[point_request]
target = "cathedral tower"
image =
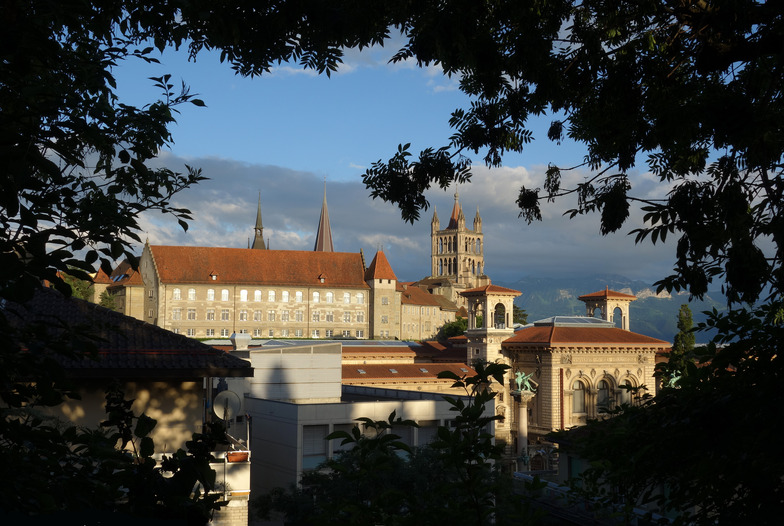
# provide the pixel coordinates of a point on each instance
(457, 252)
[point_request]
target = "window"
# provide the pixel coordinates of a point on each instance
(578, 397)
(191, 294)
(176, 314)
(360, 317)
(191, 332)
(346, 317)
(299, 315)
(298, 296)
(384, 300)
(257, 332)
(225, 333)
(225, 295)
(328, 333)
(346, 333)
(624, 395)
(243, 331)
(316, 316)
(210, 294)
(256, 295)
(243, 315)
(346, 297)
(224, 314)
(360, 298)
(271, 295)
(176, 294)
(176, 331)
(603, 396)
(149, 293)
(243, 295)
(191, 315)
(271, 333)
(284, 333)
(284, 316)
(330, 317)
(360, 334)
(330, 297)
(298, 333)
(270, 315)
(210, 332)
(314, 446)
(256, 315)
(316, 297)
(151, 313)
(384, 319)
(284, 296)
(314, 333)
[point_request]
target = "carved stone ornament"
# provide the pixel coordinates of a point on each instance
(593, 373)
(639, 373)
(641, 358)
(568, 373)
(566, 358)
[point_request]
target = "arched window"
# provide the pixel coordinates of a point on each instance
(618, 317)
(256, 295)
(499, 317)
(360, 298)
(298, 296)
(176, 294)
(578, 397)
(330, 297)
(225, 295)
(603, 396)
(597, 313)
(243, 295)
(210, 294)
(271, 295)
(316, 297)
(346, 298)
(284, 296)
(624, 395)
(192, 294)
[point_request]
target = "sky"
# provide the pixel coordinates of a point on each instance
(282, 135)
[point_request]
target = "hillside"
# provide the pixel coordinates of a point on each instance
(652, 315)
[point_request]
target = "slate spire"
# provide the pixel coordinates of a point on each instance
(324, 232)
(258, 240)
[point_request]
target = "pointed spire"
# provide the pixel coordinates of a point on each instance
(477, 222)
(324, 232)
(258, 240)
(456, 212)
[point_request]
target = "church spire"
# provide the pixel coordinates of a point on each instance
(324, 232)
(258, 240)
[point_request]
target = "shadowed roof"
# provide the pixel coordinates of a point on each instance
(246, 266)
(123, 274)
(607, 294)
(413, 295)
(380, 268)
(572, 335)
(490, 289)
(404, 372)
(126, 347)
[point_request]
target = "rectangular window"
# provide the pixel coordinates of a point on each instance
(191, 294)
(314, 446)
(176, 294)
(256, 295)
(210, 294)
(360, 298)
(360, 317)
(346, 317)
(298, 333)
(299, 315)
(284, 316)
(191, 315)
(225, 333)
(210, 314)
(298, 296)
(346, 333)
(256, 315)
(224, 314)
(225, 295)
(149, 293)
(243, 331)
(210, 332)
(284, 296)
(384, 319)
(191, 332)
(243, 315)
(271, 295)
(176, 314)
(270, 315)
(271, 333)
(384, 300)
(316, 316)
(328, 333)
(346, 297)
(360, 334)
(330, 297)
(315, 333)
(257, 332)
(151, 313)
(330, 317)
(243, 295)
(284, 333)
(176, 331)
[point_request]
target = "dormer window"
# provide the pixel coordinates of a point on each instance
(361, 371)
(213, 276)
(393, 371)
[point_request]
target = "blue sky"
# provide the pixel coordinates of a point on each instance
(283, 133)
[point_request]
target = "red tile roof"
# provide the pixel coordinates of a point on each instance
(453, 219)
(490, 289)
(101, 277)
(127, 347)
(404, 372)
(269, 267)
(416, 296)
(380, 268)
(582, 336)
(124, 274)
(607, 294)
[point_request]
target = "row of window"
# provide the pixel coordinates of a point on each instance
(271, 333)
(285, 297)
(272, 315)
(603, 395)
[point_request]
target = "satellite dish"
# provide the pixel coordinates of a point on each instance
(226, 405)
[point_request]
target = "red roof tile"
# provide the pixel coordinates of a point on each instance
(124, 274)
(417, 296)
(380, 268)
(607, 294)
(490, 289)
(270, 267)
(404, 372)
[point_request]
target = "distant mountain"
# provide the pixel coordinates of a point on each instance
(651, 314)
